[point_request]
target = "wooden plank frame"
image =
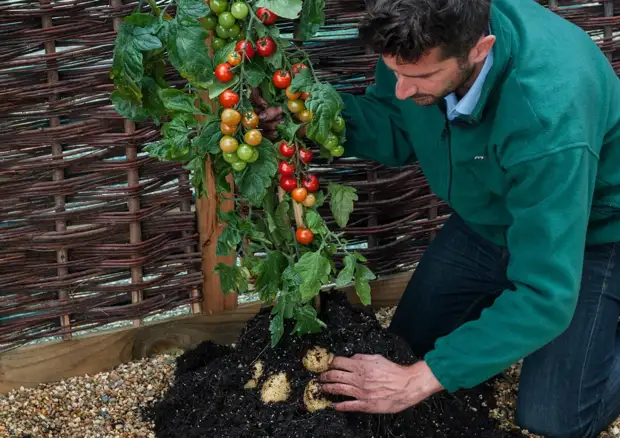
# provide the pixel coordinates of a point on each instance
(46, 363)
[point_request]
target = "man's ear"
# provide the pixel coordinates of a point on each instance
(481, 49)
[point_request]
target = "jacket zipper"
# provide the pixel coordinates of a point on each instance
(449, 134)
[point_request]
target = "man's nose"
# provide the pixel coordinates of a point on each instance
(405, 89)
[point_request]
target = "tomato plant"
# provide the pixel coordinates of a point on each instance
(285, 247)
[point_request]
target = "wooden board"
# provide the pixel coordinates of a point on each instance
(45, 363)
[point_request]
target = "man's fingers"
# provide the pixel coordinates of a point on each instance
(353, 406)
(344, 363)
(367, 357)
(271, 135)
(342, 389)
(258, 100)
(270, 113)
(272, 125)
(335, 376)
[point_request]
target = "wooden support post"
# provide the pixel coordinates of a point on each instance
(62, 256)
(133, 203)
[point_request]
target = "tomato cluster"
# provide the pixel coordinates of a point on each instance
(223, 21)
(238, 155)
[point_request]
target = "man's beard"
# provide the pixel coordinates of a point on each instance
(465, 73)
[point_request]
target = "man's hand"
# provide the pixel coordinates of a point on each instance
(269, 117)
(379, 385)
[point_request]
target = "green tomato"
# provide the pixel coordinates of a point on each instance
(226, 20)
(218, 43)
(234, 31)
(209, 22)
(254, 156)
(221, 31)
(231, 157)
(239, 10)
(338, 151)
(337, 124)
(218, 6)
(245, 152)
(331, 142)
(239, 165)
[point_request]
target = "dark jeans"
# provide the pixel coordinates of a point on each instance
(568, 388)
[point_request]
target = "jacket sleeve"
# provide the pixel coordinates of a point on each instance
(375, 124)
(550, 200)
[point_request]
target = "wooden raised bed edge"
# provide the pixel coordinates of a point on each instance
(52, 362)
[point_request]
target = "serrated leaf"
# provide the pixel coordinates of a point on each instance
(320, 199)
(158, 149)
(254, 74)
(228, 240)
(217, 87)
(325, 103)
(192, 9)
(269, 278)
(341, 202)
(188, 52)
(362, 276)
(315, 222)
(345, 276)
(232, 278)
(221, 170)
(281, 219)
(258, 176)
(198, 175)
(307, 320)
(276, 326)
(178, 101)
(360, 257)
(222, 54)
(288, 129)
(151, 101)
(312, 18)
(275, 60)
(176, 132)
(127, 108)
(314, 269)
(282, 8)
(209, 139)
(302, 81)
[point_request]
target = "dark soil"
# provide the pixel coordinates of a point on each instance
(208, 398)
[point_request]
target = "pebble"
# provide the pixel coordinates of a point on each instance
(107, 405)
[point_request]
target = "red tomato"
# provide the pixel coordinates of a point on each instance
(229, 98)
(311, 183)
(300, 194)
(304, 236)
(296, 68)
(288, 183)
(281, 79)
(305, 155)
(265, 46)
(245, 46)
(266, 16)
(286, 169)
(287, 150)
(223, 73)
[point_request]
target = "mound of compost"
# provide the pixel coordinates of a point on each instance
(209, 397)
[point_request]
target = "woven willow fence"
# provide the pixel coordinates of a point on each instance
(93, 231)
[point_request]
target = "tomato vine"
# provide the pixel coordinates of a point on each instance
(227, 51)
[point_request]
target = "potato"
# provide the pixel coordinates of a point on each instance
(258, 372)
(317, 360)
(312, 397)
(276, 388)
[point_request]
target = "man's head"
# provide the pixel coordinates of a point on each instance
(433, 46)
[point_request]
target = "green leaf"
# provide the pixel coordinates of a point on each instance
(254, 74)
(192, 9)
(188, 52)
(282, 221)
(312, 18)
(209, 139)
(341, 202)
(159, 149)
(222, 54)
(151, 101)
(198, 175)
(360, 257)
(258, 177)
(320, 199)
(302, 81)
(291, 280)
(288, 129)
(276, 326)
(178, 101)
(217, 87)
(282, 8)
(176, 132)
(269, 276)
(314, 269)
(221, 170)
(307, 320)
(325, 103)
(362, 275)
(232, 278)
(346, 274)
(315, 222)
(127, 108)
(228, 240)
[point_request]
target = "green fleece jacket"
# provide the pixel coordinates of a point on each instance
(535, 168)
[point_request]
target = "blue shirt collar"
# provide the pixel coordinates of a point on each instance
(467, 104)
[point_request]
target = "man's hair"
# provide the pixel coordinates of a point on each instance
(408, 29)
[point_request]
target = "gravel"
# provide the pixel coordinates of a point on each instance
(108, 405)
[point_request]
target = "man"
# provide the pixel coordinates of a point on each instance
(514, 116)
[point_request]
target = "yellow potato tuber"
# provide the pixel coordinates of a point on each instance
(258, 372)
(276, 388)
(312, 397)
(318, 359)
